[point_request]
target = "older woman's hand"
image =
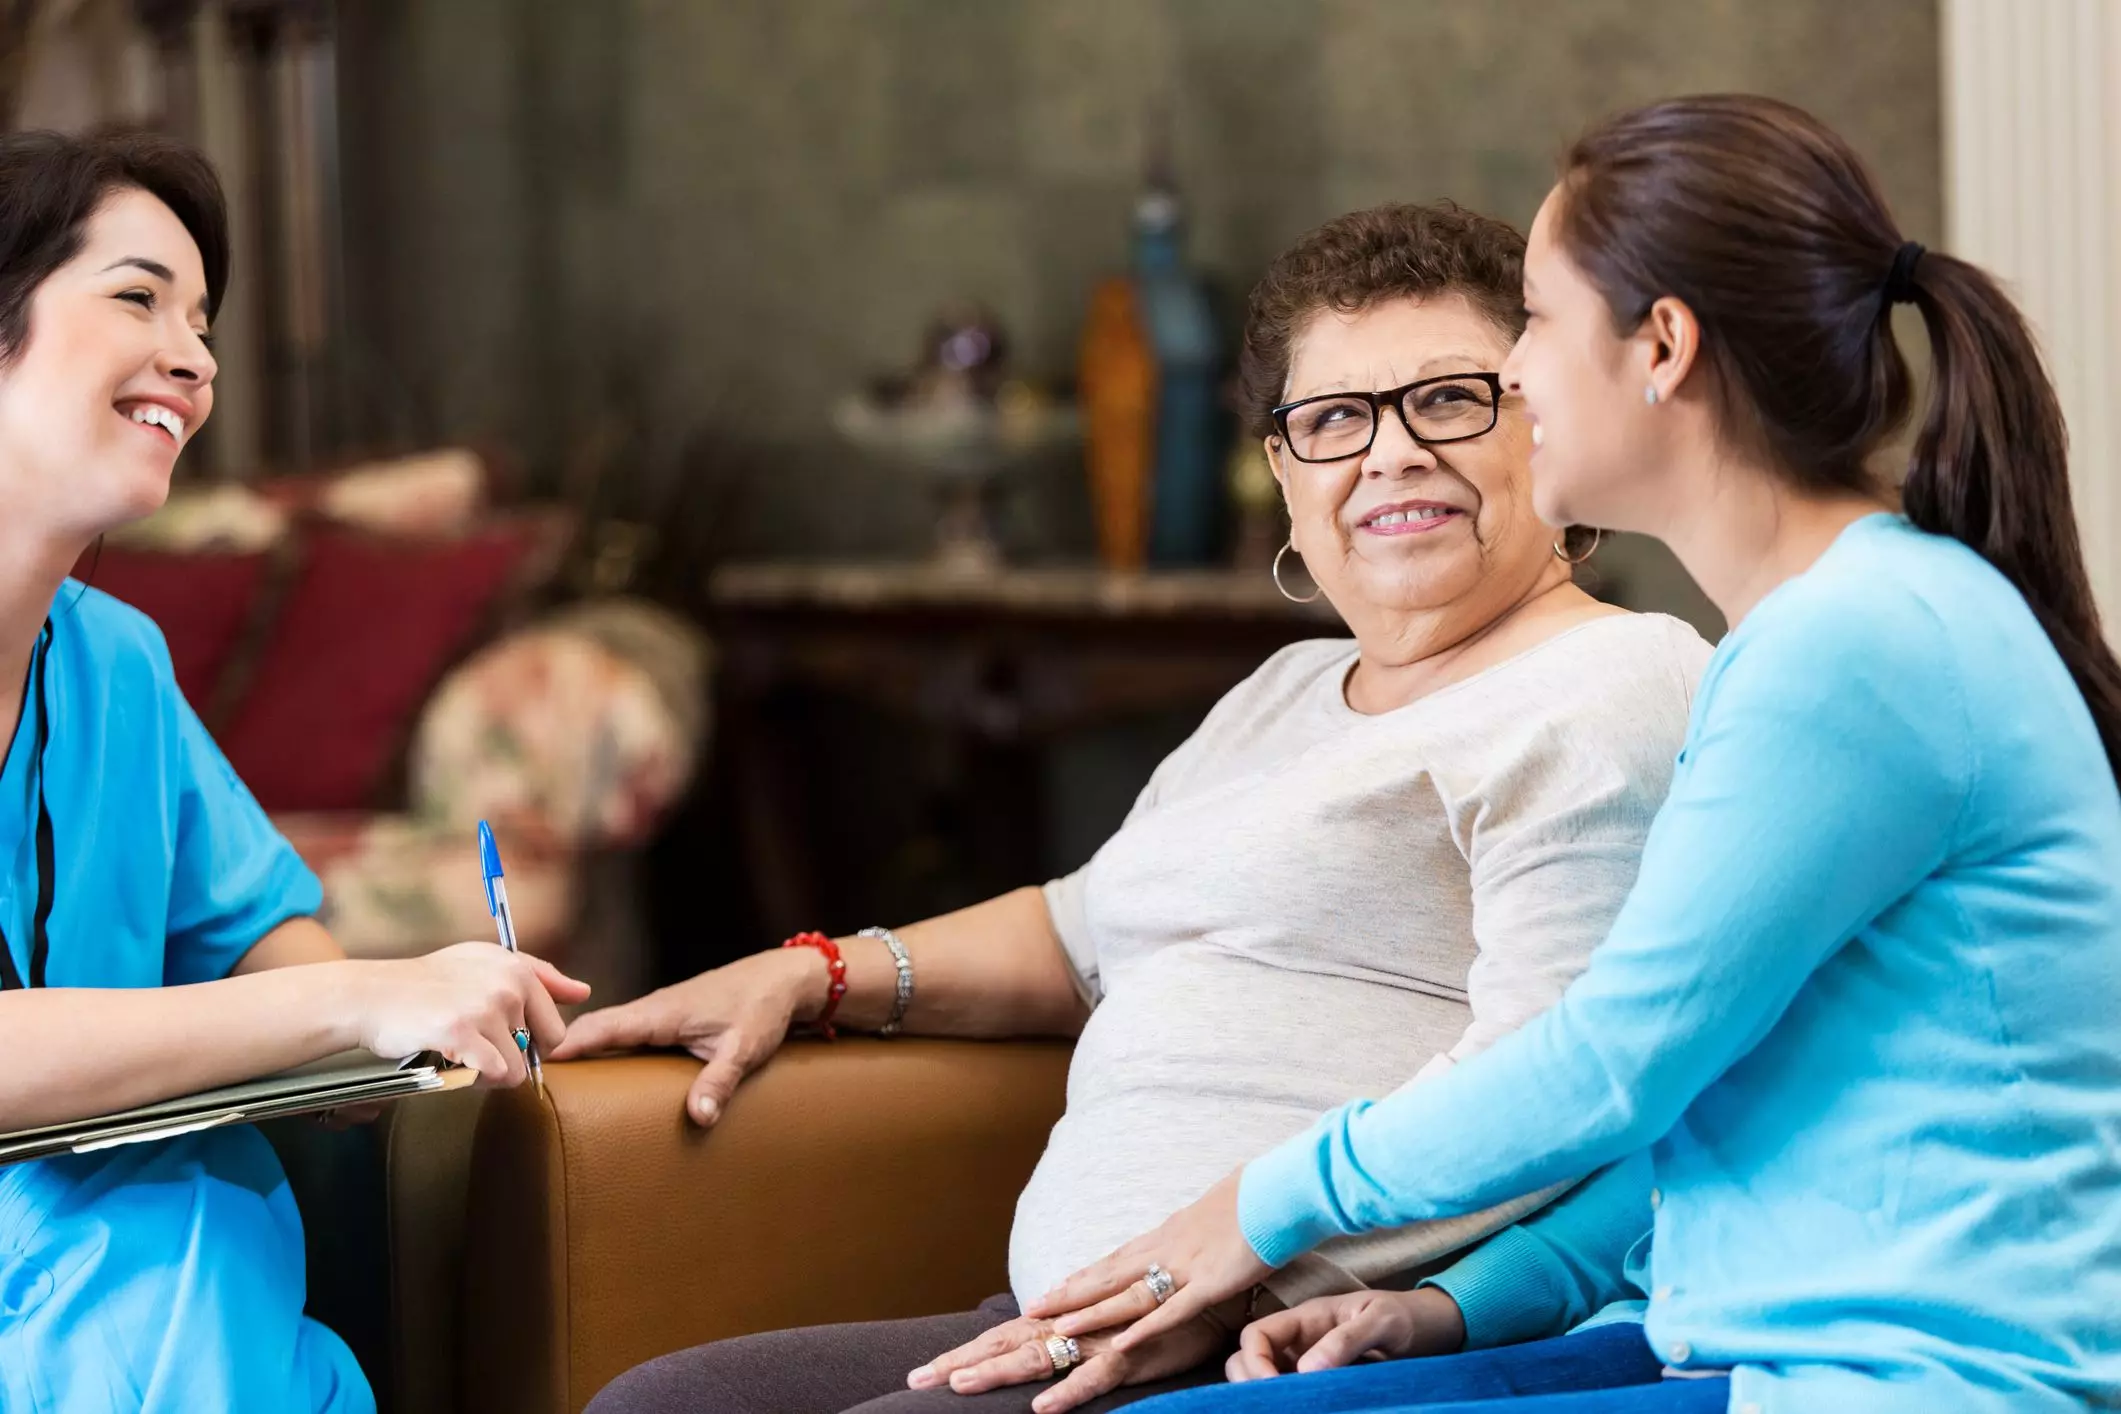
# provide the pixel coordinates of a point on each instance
(1328, 1332)
(1014, 1353)
(1201, 1248)
(733, 1018)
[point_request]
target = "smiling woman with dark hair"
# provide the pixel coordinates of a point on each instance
(155, 932)
(1373, 859)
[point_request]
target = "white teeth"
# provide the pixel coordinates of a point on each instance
(156, 415)
(1402, 517)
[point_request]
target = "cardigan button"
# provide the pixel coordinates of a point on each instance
(1662, 1293)
(1681, 1353)
(1656, 1197)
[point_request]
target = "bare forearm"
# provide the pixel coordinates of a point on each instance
(994, 969)
(292, 944)
(67, 1053)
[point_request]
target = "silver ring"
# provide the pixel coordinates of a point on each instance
(1062, 1353)
(522, 1038)
(1160, 1283)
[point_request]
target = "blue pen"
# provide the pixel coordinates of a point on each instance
(497, 905)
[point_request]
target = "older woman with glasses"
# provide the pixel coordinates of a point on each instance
(1374, 858)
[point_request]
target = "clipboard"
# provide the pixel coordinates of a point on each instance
(311, 1089)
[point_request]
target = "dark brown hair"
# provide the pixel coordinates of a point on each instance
(51, 183)
(1773, 232)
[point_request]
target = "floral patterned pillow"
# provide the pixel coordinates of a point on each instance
(578, 733)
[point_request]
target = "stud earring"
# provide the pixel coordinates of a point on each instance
(1649, 394)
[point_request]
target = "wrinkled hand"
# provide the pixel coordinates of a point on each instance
(1328, 1332)
(466, 1002)
(1014, 1353)
(732, 1018)
(1201, 1246)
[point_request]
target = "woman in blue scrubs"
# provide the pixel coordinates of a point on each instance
(1862, 1008)
(156, 934)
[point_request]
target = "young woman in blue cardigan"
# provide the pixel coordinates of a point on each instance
(1849, 1065)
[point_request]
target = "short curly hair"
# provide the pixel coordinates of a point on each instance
(1395, 251)
(1362, 259)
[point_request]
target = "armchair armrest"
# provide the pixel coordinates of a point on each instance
(856, 1181)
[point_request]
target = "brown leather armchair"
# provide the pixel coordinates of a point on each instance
(543, 1245)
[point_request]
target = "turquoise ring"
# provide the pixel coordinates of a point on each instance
(522, 1039)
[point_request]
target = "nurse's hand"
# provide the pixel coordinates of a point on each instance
(733, 1018)
(465, 1002)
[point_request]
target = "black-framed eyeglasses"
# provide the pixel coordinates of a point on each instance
(1452, 408)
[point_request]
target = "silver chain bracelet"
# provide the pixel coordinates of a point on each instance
(903, 996)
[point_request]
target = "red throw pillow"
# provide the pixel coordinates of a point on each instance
(201, 602)
(369, 626)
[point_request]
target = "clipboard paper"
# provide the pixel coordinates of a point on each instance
(311, 1089)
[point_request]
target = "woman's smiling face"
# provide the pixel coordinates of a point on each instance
(114, 377)
(1602, 446)
(1404, 529)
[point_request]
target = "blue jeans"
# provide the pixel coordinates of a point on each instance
(1608, 1370)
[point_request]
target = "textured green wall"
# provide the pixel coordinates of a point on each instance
(727, 211)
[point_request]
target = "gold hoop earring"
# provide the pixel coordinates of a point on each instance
(1287, 546)
(1561, 551)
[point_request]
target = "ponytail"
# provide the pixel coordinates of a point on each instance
(1991, 468)
(1774, 232)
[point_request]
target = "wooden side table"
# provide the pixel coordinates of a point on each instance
(1003, 662)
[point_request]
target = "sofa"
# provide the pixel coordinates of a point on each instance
(541, 1245)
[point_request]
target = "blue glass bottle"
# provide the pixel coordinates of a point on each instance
(1186, 492)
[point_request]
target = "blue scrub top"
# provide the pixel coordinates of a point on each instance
(165, 1276)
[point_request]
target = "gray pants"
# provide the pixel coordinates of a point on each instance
(840, 1370)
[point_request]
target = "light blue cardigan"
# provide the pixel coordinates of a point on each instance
(1863, 1007)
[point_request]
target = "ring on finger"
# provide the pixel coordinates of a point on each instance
(522, 1038)
(1160, 1282)
(1062, 1353)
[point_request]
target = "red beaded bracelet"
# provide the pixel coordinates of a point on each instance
(836, 966)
